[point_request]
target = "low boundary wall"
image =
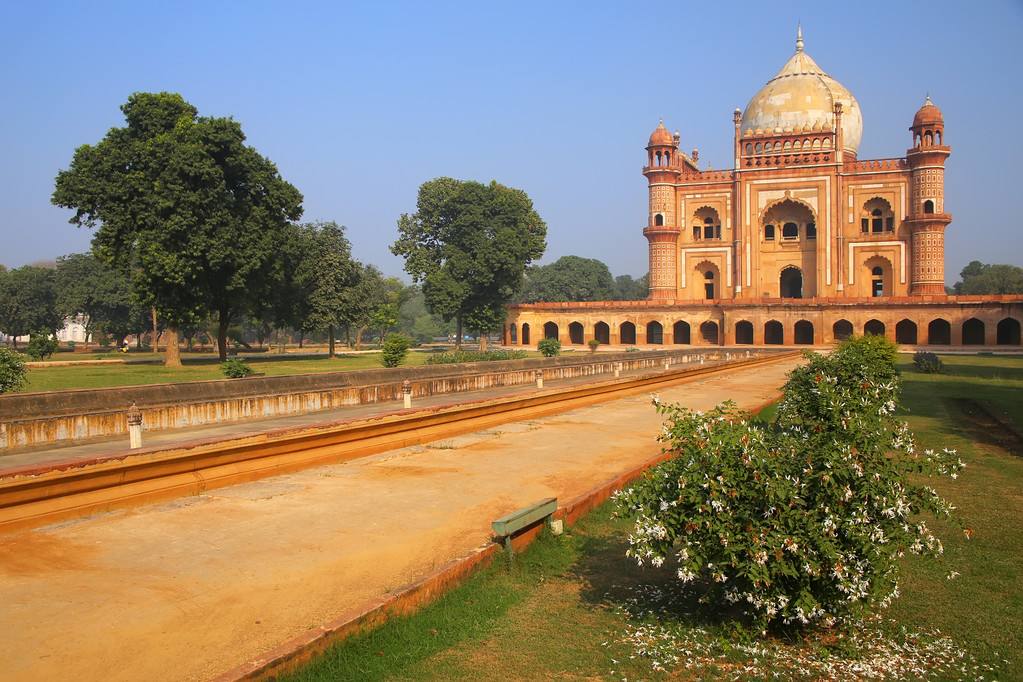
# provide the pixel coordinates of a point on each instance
(41, 419)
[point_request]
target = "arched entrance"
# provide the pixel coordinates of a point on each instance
(804, 333)
(1008, 332)
(550, 330)
(791, 282)
(709, 332)
(874, 328)
(525, 333)
(680, 333)
(513, 333)
(627, 333)
(744, 332)
(973, 332)
(905, 332)
(774, 333)
(842, 330)
(654, 333)
(939, 333)
(602, 333)
(575, 333)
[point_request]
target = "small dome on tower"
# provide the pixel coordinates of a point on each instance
(928, 115)
(661, 136)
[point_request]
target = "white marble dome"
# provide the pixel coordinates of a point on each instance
(802, 97)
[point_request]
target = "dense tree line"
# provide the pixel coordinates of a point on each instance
(982, 278)
(572, 278)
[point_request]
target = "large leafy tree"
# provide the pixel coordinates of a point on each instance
(28, 301)
(629, 289)
(88, 286)
(982, 278)
(326, 279)
(185, 205)
(468, 244)
(570, 278)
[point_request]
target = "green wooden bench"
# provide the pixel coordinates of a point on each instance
(506, 526)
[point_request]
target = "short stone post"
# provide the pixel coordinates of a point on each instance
(701, 359)
(618, 369)
(134, 427)
(538, 374)
(406, 390)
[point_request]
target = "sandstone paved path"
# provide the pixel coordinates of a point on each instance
(189, 589)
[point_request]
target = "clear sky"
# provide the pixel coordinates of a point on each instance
(360, 103)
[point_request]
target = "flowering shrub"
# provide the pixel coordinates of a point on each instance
(926, 362)
(802, 521)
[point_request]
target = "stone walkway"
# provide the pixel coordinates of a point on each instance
(189, 589)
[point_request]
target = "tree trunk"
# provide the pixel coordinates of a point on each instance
(330, 332)
(301, 337)
(156, 335)
(348, 335)
(458, 333)
(483, 342)
(223, 322)
(359, 331)
(172, 358)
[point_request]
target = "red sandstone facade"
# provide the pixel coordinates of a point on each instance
(800, 243)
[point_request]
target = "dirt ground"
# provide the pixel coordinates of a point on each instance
(189, 589)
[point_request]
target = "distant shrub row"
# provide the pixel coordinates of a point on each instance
(474, 356)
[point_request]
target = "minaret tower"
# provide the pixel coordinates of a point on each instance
(662, 172)
(927, 219)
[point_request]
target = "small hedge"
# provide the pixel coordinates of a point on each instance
(235, 368)
(549, 347)
(395, 349)
(12, 371)
(927, 362)
(458, 356)
(802, 521)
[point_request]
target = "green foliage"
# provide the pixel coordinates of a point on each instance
(570, 278)
(927, 362)
(41, 346)
(475, 356)
(28, 301)
(549, 347)
(468, 244)
(593, 344)
(12, 371)
(235, 368)
(395, 348)
(629, 289)
(184, 205)
(981, 278)
(803, 521)
(631, 349)
(86, 285)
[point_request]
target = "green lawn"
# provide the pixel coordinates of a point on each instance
(574, 608)
(100, 376)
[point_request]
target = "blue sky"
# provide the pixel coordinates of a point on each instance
(359, 103)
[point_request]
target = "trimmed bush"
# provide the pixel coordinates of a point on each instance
(549, 347)
(41, 346)
(927, 362)
(804, 520)
(12, 371)
(394, 349)
(235, 368)
(457, 356)
(594, 345)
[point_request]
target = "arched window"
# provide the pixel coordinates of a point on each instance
(513, 332)
(774, 333)
(709, 332)
(759, 147)
(525, 333)
(973, 332)
(928, 206)
(680, 332)
(706, 219)
(667, 158)
(1008, 333)
(905, 332)
(877, 216)
(659, 220)
(790, 231)
(877, 281)
(744, 332)
(708, 285)
(749, 149)
(602, 333)
(842, 330)
(550, 330)
(697, 232)
(928, 138)
(874, 328)
(811, 230)
(627, 333)
(804, 333)
(790, 283)
(710, 229)
(654, 333)
(658, 158)
(575, 333)
(937, 136)
(939, 333)
(876, 221)
(769, 233)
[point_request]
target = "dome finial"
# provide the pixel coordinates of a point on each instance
(799, 36)
(927, 100)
